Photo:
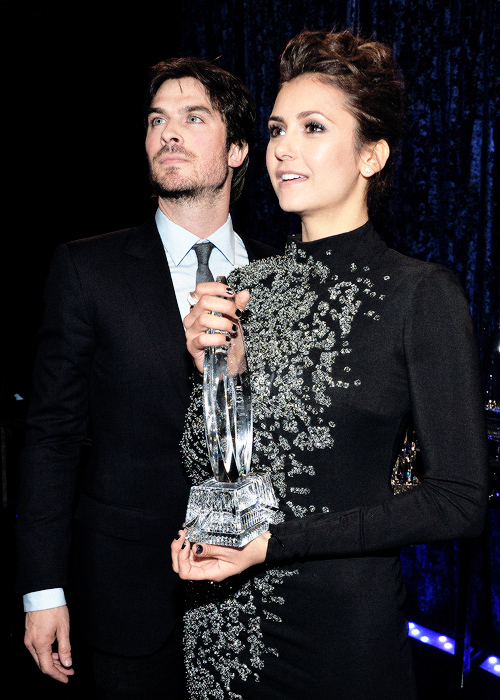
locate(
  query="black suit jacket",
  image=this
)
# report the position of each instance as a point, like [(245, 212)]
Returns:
[(111, 351)]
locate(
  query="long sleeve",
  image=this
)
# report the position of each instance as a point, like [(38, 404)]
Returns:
[(57, 424), (348, 343), (439, 351)]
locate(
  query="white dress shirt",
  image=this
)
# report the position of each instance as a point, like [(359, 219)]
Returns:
[(229, 252)]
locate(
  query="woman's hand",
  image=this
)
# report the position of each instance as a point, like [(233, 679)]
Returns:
[(201, 318), (208, 562)]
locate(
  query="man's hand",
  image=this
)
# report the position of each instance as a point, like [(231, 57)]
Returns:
[(198, 562), (43, 628), (213, 298)]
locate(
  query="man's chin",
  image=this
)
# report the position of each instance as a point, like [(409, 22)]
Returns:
[(186, 191), (173, 187), (177, 194)]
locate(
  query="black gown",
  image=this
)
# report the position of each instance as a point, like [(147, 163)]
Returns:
[(347, 342)]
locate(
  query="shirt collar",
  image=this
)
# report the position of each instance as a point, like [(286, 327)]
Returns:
[(178, 241)]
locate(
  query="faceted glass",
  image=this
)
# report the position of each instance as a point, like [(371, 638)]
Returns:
[(236, 505)]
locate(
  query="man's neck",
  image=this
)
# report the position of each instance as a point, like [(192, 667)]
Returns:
[(201, 217)]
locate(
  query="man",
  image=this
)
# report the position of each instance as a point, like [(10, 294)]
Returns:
[(112, 354)]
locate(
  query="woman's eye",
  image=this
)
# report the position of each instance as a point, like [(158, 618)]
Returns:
[(274, 130), (314, 127)]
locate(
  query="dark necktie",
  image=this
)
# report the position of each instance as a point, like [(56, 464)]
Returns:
[(203, 251)]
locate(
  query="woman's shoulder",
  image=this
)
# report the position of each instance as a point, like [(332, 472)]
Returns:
[(415, 268), (413, 280), (406, 262)]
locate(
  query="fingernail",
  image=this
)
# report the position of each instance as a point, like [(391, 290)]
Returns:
[(230, 291), (178, 536), (184, 544), (234, 327), (238, 312), (199, 549), (228, 338), (68, 662)]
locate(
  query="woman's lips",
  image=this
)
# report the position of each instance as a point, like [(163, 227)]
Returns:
[(287, 179)]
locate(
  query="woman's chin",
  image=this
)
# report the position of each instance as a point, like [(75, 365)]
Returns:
[(289, 206)]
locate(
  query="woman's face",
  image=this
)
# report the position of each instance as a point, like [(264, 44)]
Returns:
[(311, 157)]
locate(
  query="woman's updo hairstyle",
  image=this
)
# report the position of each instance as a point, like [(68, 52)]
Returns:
[(366, 73)]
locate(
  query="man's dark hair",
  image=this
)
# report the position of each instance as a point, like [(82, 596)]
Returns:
[(227, 94)]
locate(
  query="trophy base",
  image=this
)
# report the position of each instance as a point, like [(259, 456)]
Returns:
[(230, 514)]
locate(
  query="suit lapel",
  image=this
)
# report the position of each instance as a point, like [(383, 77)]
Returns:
[(148, 276)]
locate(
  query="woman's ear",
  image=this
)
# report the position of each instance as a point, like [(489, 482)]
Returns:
[(374, 157)]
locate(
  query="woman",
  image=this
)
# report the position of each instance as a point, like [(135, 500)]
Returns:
[(347, 342)]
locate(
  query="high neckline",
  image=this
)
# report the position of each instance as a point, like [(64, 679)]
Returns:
[(362, 245)]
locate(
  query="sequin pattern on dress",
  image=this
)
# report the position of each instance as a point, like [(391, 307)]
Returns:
[(222, 625), (297, 341)]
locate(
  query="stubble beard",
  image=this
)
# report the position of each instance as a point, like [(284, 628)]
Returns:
[(171, 186)]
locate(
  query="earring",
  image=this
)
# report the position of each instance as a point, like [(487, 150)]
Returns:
[(367, 171)]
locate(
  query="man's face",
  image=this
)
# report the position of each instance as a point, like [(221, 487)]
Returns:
[(186, 143)]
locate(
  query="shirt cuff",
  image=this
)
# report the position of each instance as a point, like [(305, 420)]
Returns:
[(43, 600)]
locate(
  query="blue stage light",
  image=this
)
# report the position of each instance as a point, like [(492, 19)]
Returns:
[(492, 665), (441, 641), (434, 639)]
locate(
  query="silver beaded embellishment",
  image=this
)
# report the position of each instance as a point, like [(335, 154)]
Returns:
[(297, 327)]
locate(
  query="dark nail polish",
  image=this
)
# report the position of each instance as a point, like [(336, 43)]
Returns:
[(184, 544), (238, 312), (178, 536), (234, 327), (228, 338), (230, 291), (199, 549)]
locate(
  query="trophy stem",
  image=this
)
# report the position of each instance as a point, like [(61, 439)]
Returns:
[(236, 505)]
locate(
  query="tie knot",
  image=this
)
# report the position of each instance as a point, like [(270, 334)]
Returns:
[(203, 251)]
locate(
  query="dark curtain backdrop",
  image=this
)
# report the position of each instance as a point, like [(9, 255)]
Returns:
[(444, 208)]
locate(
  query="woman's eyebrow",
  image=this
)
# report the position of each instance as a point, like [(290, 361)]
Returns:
[(304, 115), (300, 115)]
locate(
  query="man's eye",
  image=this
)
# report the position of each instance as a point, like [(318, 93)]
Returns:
[(193, 119), (274, 130), (157, 120)]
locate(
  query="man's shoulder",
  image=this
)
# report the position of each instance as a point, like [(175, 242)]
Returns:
[(134, 238), (256, 249)]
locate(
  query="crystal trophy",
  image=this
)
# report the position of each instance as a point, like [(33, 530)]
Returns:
[(236, 505)]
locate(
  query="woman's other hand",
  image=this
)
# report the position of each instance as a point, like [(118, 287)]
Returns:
[(208, 562), (213, 298)]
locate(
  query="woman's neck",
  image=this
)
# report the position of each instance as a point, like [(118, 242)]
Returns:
[(321, 225)]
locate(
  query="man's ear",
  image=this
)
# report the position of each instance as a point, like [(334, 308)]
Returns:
[(237, 154), (373, 158)]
